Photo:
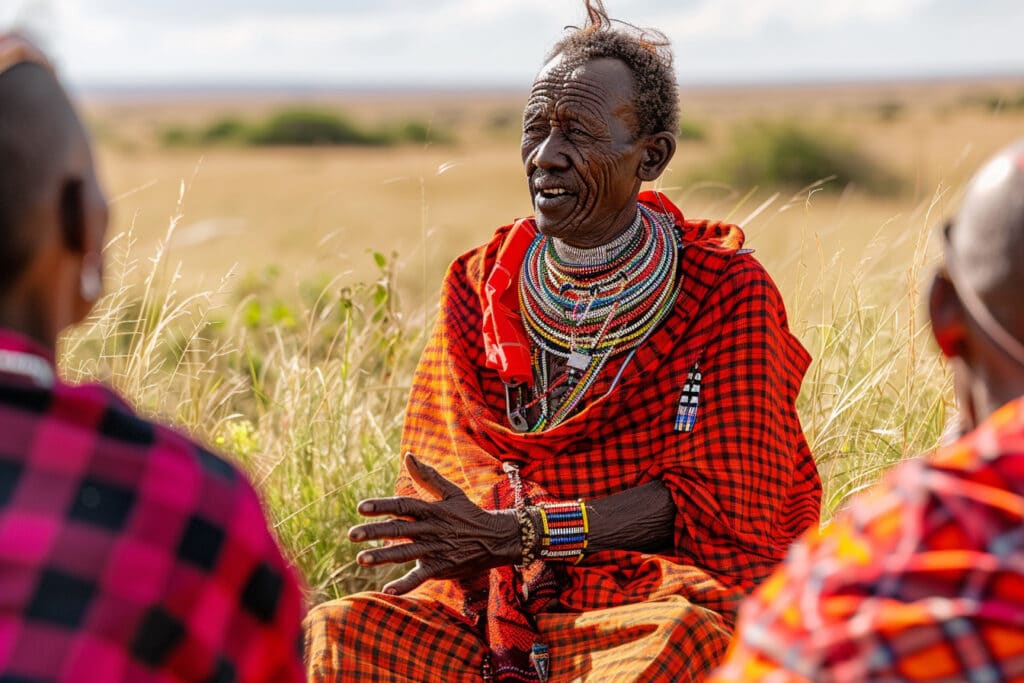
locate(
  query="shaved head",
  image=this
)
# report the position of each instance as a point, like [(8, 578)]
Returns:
[(987, 237), (976, 303), (41, 138)]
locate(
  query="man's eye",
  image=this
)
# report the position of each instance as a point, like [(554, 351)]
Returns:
[(576, 132)]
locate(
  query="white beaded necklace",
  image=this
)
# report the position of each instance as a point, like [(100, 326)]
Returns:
[(599, 255)]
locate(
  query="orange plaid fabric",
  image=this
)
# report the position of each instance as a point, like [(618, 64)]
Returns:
[(922, 579), (744, 482)]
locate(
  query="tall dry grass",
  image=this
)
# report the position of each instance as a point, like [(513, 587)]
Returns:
[(307, 391)]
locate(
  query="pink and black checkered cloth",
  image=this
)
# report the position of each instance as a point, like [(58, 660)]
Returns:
[(128, 553)]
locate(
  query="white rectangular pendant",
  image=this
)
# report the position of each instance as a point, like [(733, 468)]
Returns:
[(578, 361)]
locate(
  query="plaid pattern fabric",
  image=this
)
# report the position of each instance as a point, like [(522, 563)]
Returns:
[(743, 479), (412, 639), (128, 553), (922, 579)]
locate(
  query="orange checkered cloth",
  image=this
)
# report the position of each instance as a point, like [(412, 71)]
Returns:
[(922, 579), (743, 479)]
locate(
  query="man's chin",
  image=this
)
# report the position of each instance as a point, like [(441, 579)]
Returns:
[(550, 228)]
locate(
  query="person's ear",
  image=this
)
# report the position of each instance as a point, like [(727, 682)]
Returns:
[(83, 216), (658, 152), (947, 316)]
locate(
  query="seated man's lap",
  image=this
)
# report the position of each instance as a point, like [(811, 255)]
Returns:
[(372, 636), (665, 640)]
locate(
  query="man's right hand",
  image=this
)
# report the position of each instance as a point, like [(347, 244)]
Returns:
[(449, 538)]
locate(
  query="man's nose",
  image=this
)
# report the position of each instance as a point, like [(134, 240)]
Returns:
[(552, 152)]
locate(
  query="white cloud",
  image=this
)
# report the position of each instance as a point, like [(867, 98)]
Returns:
[(285, 42), (479, 41), (715, 18)]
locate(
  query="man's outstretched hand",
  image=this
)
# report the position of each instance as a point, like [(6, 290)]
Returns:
[(450, 538)]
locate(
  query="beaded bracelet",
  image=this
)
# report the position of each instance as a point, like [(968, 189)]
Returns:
[(527, 535), (564, 530)]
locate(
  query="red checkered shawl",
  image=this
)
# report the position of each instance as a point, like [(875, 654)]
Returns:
[(744, 482)]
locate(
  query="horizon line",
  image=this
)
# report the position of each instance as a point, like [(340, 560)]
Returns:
[(94, 88)]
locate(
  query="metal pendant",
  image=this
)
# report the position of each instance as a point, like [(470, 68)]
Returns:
[(518, 421), (516, 417), (578, 361)]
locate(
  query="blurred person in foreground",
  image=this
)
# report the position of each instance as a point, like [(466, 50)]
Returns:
[(127, 553), (922, 579), (606, 453)]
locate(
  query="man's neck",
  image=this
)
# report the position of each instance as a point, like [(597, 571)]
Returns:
[(28, 321)]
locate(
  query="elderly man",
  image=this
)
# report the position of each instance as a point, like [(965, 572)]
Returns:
[(923, 578), (127, 553), (605, 454)]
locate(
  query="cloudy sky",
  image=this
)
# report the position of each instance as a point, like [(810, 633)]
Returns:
[(500, 42)]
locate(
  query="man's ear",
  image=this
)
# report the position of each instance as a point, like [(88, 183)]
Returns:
[(73, 215), (947, 316), (658, 152)]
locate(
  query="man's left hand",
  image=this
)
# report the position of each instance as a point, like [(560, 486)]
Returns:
[(450, 538)]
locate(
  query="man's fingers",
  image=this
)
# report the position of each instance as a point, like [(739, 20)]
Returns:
[(408, 582), (395, 528), (430, 479), (393, 554), (398, 506)]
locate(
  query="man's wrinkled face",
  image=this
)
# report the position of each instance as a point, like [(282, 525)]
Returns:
[(580, 150)]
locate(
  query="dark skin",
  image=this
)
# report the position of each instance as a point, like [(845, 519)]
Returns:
[(987, 244), (585, 165), (65, 215), (579, 140)]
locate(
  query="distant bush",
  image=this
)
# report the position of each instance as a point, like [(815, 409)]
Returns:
[(222, 130), (227, 129), (174, 136), (889, 110), (787, 154), (417, 131), (995, 102), (302, 127), (311, 127), (691, 130)]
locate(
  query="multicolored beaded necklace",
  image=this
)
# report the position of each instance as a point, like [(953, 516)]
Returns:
[(587, 305)]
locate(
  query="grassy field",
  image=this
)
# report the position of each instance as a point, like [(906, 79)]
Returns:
[(272, 301)]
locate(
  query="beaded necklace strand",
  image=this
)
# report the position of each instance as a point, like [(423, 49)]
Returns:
[(588, 305)]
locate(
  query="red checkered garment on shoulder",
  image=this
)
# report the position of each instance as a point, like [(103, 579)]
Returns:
[(921, 579), (744, 483), (128, 553)]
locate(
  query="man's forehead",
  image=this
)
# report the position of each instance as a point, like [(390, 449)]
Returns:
[(608, 77)]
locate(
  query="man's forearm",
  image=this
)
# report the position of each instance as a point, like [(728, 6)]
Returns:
[(640, 518)]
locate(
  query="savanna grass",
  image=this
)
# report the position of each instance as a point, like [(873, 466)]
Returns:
[(306, 395)]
